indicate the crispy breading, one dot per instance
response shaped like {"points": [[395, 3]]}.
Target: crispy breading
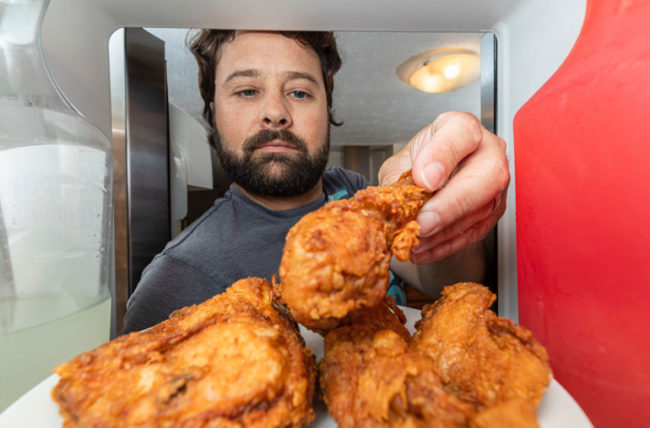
{"points": [[370, 377], [384, 316], [482, 358], [336, 259], [231, 361]]}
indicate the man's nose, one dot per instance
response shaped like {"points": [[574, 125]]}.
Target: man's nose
{"points": [[275, 112]]}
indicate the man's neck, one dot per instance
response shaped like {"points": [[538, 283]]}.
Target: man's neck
{"points": [[285, 203]]}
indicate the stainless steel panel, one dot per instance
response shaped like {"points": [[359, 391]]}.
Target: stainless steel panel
{"points": [[120, 293], [147, 150], [489, 82], [489, 120]]}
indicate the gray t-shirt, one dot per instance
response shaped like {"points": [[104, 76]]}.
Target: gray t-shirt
{"points": [[236, 238]]}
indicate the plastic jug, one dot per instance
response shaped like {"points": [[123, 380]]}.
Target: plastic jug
{"points": [[55, 214]]}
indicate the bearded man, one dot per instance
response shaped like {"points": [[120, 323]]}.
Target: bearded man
{"points": [[268, 98]]}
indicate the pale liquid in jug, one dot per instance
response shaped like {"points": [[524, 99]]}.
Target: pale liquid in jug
{"points": [[54, 300], [29, 355]]}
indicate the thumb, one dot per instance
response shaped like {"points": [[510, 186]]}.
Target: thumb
{"points": [[438, 148]]}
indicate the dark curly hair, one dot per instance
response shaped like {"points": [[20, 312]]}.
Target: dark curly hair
{"points": [[205, 45]]}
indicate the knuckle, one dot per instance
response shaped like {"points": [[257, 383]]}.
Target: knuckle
{"points": [[442, 251], [474, 127], [471, 124], [503, 178], [472, 234], [475, 233], [502, 208], [459, 205], [500, 142], [454, 231], [443, 117], [468, 121], [501, 173]]}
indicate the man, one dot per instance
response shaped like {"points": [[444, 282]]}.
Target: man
{"points": [[268, 96]]}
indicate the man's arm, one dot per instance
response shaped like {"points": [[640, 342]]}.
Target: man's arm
{"points": [[467, 167]]}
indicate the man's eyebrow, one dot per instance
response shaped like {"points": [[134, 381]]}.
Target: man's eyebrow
{"points": [[242, 73], [294, 75], [289, 75]]}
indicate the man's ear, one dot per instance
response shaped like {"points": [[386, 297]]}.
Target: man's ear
{"points": [[212, 106]]}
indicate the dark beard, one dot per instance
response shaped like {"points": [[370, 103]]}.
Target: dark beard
{"points": [[253, 171]]}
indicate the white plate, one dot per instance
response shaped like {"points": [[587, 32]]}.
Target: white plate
{"points": [[36, 408]]}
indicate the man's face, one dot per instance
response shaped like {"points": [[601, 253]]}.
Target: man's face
{"points": [[270, 110]]}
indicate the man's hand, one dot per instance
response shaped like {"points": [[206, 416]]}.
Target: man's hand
{"points": [[468, 167]]}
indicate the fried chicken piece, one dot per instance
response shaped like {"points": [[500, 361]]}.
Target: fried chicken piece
{"points": [[384, 316], [483, 359], [515, 413], [370, 378], [232, 361], [336, 259]]}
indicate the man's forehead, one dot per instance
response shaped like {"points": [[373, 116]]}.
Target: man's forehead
{"points": [[263, 48], [262, 40]]}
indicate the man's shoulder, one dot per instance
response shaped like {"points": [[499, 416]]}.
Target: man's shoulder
{"points": [[340, 183]]}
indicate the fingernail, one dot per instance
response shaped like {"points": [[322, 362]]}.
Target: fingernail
{"points": [[429, 222], [432, 175]]}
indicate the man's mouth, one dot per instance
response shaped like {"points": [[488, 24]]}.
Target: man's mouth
{"points": [[276, 146]]}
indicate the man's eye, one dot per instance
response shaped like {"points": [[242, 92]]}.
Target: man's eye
{"points": [[301, 95], [247, 93]]}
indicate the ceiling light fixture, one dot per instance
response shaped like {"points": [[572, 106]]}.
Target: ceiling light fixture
{"points": [[441, 71]]}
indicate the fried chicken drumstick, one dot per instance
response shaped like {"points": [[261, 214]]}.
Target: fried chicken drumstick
{"points": [[231, 361], [483, 359], [336, 259], [370, 377]]}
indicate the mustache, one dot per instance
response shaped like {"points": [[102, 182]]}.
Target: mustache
{"points": [[266, 135]]}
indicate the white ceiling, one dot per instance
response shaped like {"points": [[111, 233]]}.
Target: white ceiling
{"points": [[375, 106]]}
